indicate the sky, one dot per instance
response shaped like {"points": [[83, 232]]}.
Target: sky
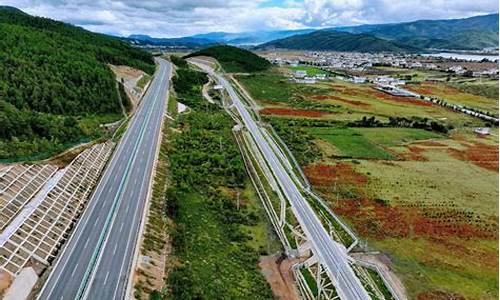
{"points": [[176, 18]]}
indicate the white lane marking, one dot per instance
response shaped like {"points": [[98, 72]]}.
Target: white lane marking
{"points": [[121, 227], [114, 250], [106, 278], [86, 243], [74, 270]]}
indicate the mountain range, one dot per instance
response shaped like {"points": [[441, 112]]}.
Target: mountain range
{"points": [[472, 33], [323, 40]]}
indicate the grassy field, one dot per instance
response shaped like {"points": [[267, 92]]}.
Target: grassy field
{"points": [[311, 71], [143, 81], [350, 143], [269, 86], [449, 268], [440, 179], [396, 136], [482, 87], [434, 214], [457, 96], [367, 142]]}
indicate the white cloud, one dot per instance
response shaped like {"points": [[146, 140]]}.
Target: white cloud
{"points": [[173, 18]]}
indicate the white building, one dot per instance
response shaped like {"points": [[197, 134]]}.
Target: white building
{"points": [[416, 65], [310, 80], [386, 80], [300, 74], [457, 69], [358, 79]]}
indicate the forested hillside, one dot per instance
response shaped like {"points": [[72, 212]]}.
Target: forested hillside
{"points": [[55, 85], [234, 59], [337, 41]]}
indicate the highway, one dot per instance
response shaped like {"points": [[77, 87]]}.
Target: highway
{"points": [[330, 254], [97, 261]]}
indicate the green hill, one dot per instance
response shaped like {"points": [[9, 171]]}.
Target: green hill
{"points": [[55, 85], [337, 41], [470, 33], [233, 59]]}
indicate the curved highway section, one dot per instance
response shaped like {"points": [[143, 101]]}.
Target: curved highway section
{"points": [[330, 254]]}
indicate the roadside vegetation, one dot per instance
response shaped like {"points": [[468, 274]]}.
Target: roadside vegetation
{"points": [[234, 59], [143, 81], [218, 230], [43, 109]]}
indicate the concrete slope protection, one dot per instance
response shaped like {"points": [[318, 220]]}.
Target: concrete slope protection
{"points": [[330, 254], [97, 260]]}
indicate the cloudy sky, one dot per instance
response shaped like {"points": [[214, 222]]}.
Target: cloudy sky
{"points": [[174, 18]]}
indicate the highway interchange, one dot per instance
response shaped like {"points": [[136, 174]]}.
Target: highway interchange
{"points": [[330, 254], [97, 260]]}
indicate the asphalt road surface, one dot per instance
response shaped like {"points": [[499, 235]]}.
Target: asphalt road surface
{"points": [[330, 254], [97, 260]]}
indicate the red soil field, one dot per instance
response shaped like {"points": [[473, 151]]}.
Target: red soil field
{"points": [[415, 154], [335, 98], [439, 295], [381, 95], [482, 155], [321, 97], [431, 89], [292, 112], [430, 144], [378, 220], [409, 100], [327, 175]]}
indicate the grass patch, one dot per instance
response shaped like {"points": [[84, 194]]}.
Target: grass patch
{"points": [[461, 95], [143, 81], [310, 281], [446, 269], [172, 106], [396, 136], [311, 71], [269, 86], [485, 88], [350, 142]]}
